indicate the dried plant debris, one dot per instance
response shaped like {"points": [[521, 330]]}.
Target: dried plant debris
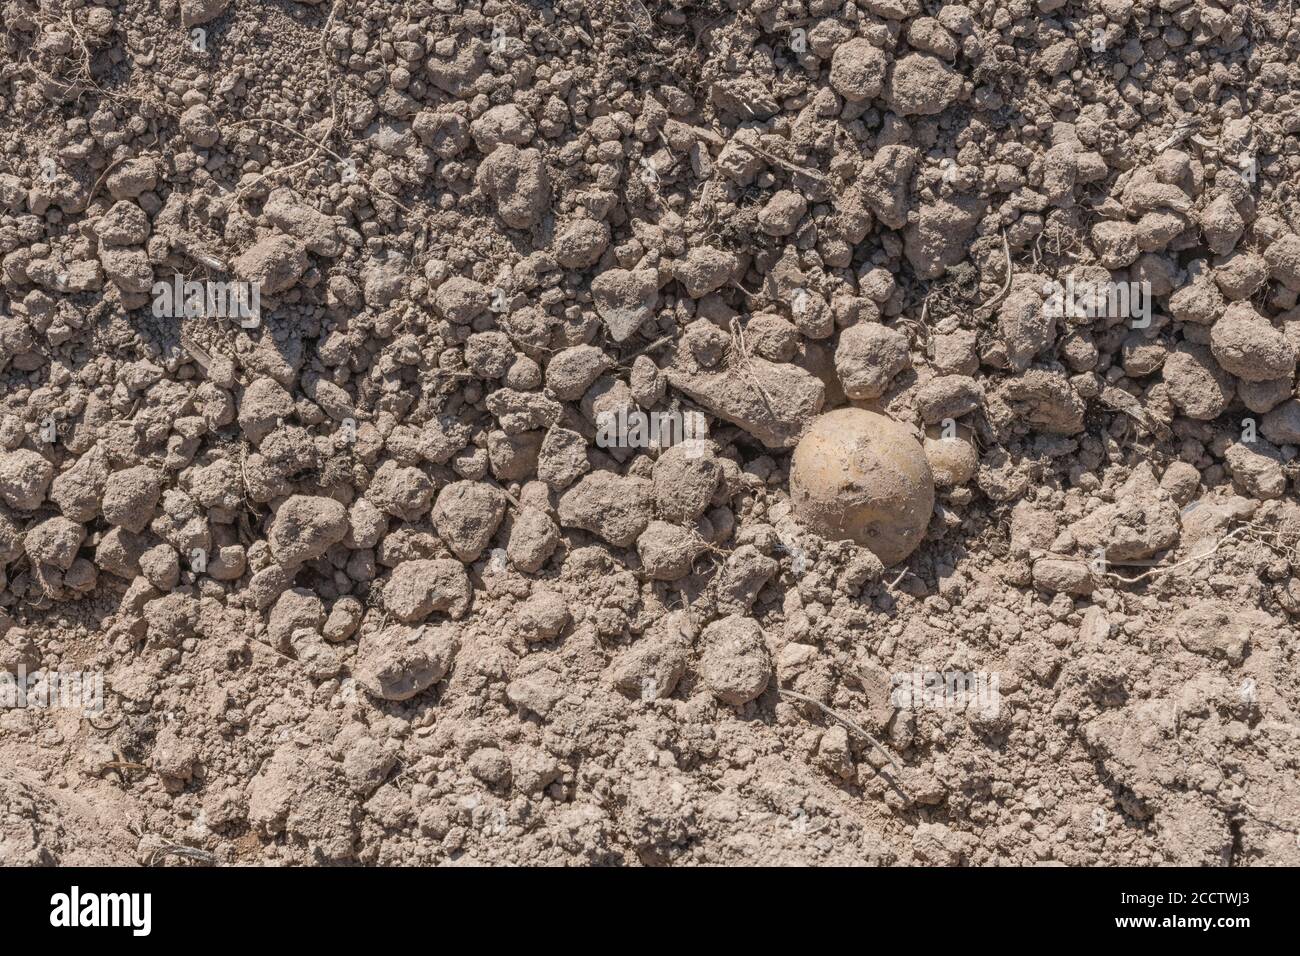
{"points": [[399, 400]]}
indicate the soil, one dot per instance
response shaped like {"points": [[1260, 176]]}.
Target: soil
{"points": [[314, 319]]}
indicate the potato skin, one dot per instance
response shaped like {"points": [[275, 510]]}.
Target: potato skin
{"points": [[860, 475]]}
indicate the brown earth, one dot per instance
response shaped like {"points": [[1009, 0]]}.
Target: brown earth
{"points": [[366, 582]]}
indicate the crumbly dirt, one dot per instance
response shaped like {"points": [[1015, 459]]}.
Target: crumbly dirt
{"points": [[366, 582]]}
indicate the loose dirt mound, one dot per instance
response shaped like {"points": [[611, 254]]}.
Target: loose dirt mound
{"points": [[397, 406]]}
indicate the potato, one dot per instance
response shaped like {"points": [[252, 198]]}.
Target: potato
{"points": [[860, 475]]}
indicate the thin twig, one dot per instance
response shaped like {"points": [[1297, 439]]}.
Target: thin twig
{"points": [[189, 852], [851, 726], [1173, 567], [740, 347], [783, 163], [1181, 131], [1006, 286], [894, 583], [664, 340]]}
